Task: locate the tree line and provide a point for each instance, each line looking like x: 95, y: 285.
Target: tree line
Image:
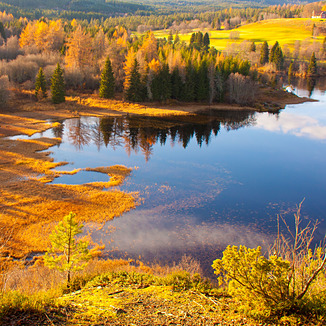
x: 141, y: 67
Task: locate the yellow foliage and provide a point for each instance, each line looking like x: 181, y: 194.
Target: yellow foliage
x: 44, y: 36
x: 154, y: 65
x: 27, y: 35
x: 79, y: 51
x: 128, y: 66
x: 74, y: 23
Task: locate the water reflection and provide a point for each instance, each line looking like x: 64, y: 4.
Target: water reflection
x: 140, y: 134
x: 292, y: 122
x: 205, y: 181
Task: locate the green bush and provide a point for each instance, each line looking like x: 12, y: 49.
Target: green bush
x: 288, y: 282
x: 182, y: 281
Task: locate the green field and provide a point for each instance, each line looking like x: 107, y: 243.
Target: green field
x: 285, y: 31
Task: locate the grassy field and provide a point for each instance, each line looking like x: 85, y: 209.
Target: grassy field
x: 285, y: 31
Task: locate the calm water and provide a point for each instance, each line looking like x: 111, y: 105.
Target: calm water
x: 204, y: 185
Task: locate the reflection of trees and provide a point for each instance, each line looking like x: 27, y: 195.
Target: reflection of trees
x: 140, y: 134
x: 78, y: 132
x: 311, y: 83
x: 96, y: 135
x: 57, y: 131
x: 239, y: 119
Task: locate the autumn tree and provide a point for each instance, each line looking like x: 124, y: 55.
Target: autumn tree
x: 67, y: 253
x: 58, y: 86
x: 128, y: 67
x: 107, y: 83
x: 43, y: 36
x: 79, y: 49
x: 40, y: 83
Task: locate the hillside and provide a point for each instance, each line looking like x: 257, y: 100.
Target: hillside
x: 72, y: 9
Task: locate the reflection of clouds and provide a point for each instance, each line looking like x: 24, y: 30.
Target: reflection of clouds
x: 290, y: 123
x: 140, y: 233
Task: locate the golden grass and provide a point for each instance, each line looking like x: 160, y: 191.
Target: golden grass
x: 124, y: 107
x: 30, y: 207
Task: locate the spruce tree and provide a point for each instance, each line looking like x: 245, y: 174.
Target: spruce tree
x: 176, y: 38
x: 2, y: 31
x: 40, y: 83
x: 189, y: 86
x: 202, y: 82
x: 278, y: 58
x: 134, y: 92
x: 264, y: 53
x: 252, y: 47
x: 107, y: 83
x: 290, y: 72
x: 170, y: 37
x: 273, y: 51
x: 176, y: 84
x: 58, y: 86
x: 312, y: 68
x: 206, y: 41
x: 67, y: 254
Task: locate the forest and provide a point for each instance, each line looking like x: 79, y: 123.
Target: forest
x: 148, y: 68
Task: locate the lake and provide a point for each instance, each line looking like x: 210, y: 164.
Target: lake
x: 205, y: 182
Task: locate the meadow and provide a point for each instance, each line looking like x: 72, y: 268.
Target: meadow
x: 285, y: 31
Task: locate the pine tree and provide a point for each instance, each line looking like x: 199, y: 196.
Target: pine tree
x: 278, y: 58
x: 40, y: 83
x: 206, y: 41
x: 290, y: 72
x: 135, y: 90
x: 176, y: 38
x: 170, y: 37
x: 312, y: 68
x: 67, y: 254
x: 2, y: 31
x: 58, y: 86
x: 107, y: 83
x: 252, y: 47
x: 273, y: 51
x: 176, y: 84
x: 264, y: 53
x: 189, y: 87
x: 202, y: 84
x: 161, y: 84
x: 192, y: 38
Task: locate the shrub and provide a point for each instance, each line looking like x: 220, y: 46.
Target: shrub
x: 182, y: 281
x: 289, y: 281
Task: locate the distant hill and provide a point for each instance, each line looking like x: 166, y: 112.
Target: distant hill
x: 179, y: 4
x: 59, y: 8
x: 88, y: 9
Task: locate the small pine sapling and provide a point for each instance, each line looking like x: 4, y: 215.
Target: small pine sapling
x: 67, y: 253
x: 40, y: 84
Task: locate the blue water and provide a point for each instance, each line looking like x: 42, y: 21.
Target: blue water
x: 199, y: 196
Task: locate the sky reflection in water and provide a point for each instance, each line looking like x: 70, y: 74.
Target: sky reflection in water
x: 222, y: 181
